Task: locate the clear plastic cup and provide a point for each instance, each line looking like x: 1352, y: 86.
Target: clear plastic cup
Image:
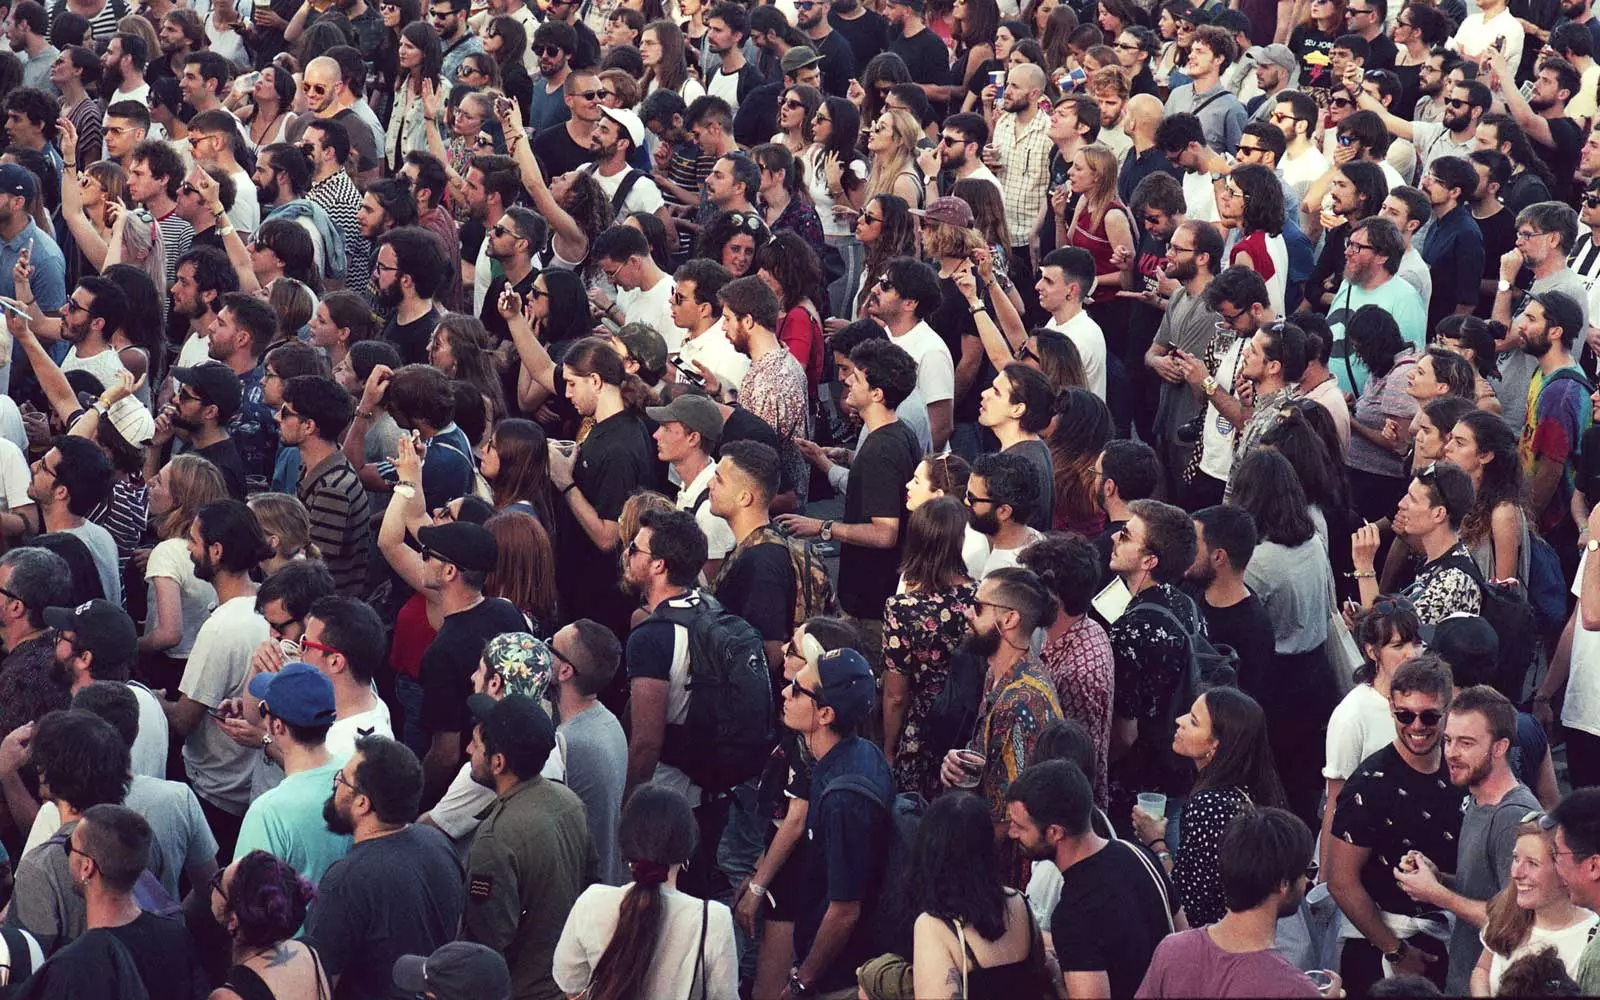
x: 564, y: 448
x: 1153, y: 804
x: 971, y: 767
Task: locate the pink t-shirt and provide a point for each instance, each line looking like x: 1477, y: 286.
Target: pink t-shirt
x: 1190, y: 964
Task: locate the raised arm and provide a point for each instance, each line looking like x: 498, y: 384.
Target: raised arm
x: 238, y: 253
x: 568, y: 238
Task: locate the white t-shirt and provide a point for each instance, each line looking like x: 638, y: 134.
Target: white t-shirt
x: 719, y: 537
x: 219, y: 665
x: 150, y: 745
x: 170, y: 560
x: 593, y: 921
x: 644, y: 196
x: 246, y: 211
x: 1200, y: 197
x: 1476, y: 36
x: 936, y: 370
x: 1090, y: 341
x: 653, y: 307
x: 11, y: 424
x: 458, y: 811
x: 1568, y: 942
x: 1581, y: 708
x: 14, y: 475
x: 1007, y: 558
x: 1359, y: 727
x: 725, y: 86
x: 342, y: 735
x: 103, y: 366
x: 983, y: 173
x: 1304, y: 169
x: 712, y: 348
x: 1216, y: 460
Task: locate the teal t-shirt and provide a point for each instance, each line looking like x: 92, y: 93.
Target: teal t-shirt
x: 1395, y: 297
x: 287, y: 822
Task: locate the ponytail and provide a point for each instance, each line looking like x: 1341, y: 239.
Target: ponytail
x: 625, y: 964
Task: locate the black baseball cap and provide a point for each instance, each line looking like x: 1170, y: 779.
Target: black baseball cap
x: 102, y: 628
x: 467, y: 545
x: 216, y: 383
x: 515, y: 721
x: 460, y: 970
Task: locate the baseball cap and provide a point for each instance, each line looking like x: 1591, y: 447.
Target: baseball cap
x: 130, y: 419
x: 298, y: 693
x: 695, y: 413
x: 216, y: 383
x: 1275, y: 55
x: 18, y: 180
x: 460, y: 970
x: 950, y: 210
x: 102, y: 628
x: 467, y: 545
x: 524, y: 661
x: 847, y: 685
x: 515, y: 721
x: 799, y: 57
x: 645, y: 346
x: 1468, y: 644
x: 1186, y: 12
x: 629, y: 121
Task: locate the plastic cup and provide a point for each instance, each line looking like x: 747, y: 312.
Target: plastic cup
x: 971, y: 768
x: 1153, y: 804
x: 997, y: 79
x: 564, y: 448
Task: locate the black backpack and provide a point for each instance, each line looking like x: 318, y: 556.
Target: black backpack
x: 1505, y: 607
x: 953, y: 716
x: 728, y: 733
x: 890, y: 915
x: 1210, y: 666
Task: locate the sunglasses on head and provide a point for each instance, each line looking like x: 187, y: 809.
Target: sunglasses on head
x: 748, y: 221
x: 1429, y: 717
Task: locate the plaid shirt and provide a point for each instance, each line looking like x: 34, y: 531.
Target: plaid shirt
x: 1025, y: 174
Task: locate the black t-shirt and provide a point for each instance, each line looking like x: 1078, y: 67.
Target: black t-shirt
x: 866, y: 35
x: 362, y: 142
x: 1381, y: 53
x: 411, y: 339
x: 1499, y: 235
x: 558, y: 152
x: 839, y: 64
x: 1038, y: 455
x: 759, y: 587
x: 1562, y: 156
x: 1111, y: 916
x: 212, y: 237
x: 1588, y: 475
x: 225, y: 456
x: 498, y: 331
x: 954, y: 323
x: 742, y: 425
x: 1246, y: 628
x: 617, y: 459
x: 162, y: 952
x: 1391, y: 808
x: 926, y: 57
x: 451, y: 658
x: 93, y: 965
x: 878, y: 474
x: 756, y: 118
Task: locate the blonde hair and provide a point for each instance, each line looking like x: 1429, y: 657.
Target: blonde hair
x: 285, y: 516
x: 192, y: 483
x: 1104, y: 164
x: 887, y: 168
x: 953, y: 241
x: 633, y: 510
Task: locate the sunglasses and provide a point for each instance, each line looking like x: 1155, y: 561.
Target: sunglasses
x: 793, y: 105
x: 1592, y: 200
x: 867, y: 218
x: 1341, y: 102
x: 1456, y: 102
x: 587, y: 95
x: 1347, y: 140
x: 1429, y: 717
x: 547, y: 50
x: 815, y: 696
x: 1125, y: 47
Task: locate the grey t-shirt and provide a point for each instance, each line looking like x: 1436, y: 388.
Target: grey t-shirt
x: 597, y: 770
x: 1517, y: 367
x: 1483, y: 866
x: 104, y: 550
x: 1294, y: 585
x: 1038, y: 455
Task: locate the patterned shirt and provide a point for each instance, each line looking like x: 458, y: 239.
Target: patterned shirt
x: 254, y: 430
x: 124, y: 512
x: 1558, y: 415
x: 1151, y: 653
x: 177, y: 236
x: 1014, y: 711
x: 340, y: 520
x: 1025, y: 175
x: 86, y: 118
x: 339, y: 198
x: 920, y: 631
x: 1079, y: 663
x: 774, y: 389
x: 1444, y: 587
x: 28, y: 687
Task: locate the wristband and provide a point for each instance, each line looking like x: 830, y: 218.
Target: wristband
x: 1364, y: 575
x: 568, y: 488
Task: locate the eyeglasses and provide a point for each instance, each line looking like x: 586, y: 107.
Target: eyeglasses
x: 884, y: 283
x: 340, y: 779
x: 440, y: 15
x: 380, y: 266
x: 635, y: 550
x: 1592, y: 200
x: 971, y: 500
x: 952, y: 140
x: 1243, y: 149
x: 428, y: 553
x: 606, y: 94
x: 869, y: 219
x: 500, y: 230
x: 215, y: 883
x: 978, y: 606
x: 1524, y: 235
x: 1456, y: 102
x: 320, y: 647
x: 57, y: 635
x: 1429, y: 717
x: 1280, y: 116
x: 1351, y: 246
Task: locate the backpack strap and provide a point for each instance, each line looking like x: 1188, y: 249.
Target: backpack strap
x: 700, y: 972
x: 632, y: 177
x: 1153, y: 871
x: 858, y: 784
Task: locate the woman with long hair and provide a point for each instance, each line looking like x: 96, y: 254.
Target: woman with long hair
x: 946, y: 475
x: 1005, y: 37
x: 269, y: 106
x: 421, y: 58
x: 790, y: 268
x: 505, y: 39
x: 93, y: 201
x: 1474, y: 339
x: 835, y: 178
x: 1377, y: 469
x: 989, y: 219
x: 177, y: 601
x: 524, y: 570
x: 342, y: 318
x: 886, y: 229
x: 1317, y: 23
x: 141, y: 338
x: 1082, y: 427
x: 459, y: 347
x: 1494, y: 529
x: 922, y: 627
x: 1037, y: 14
x: 1433, y: 424
x: 1176, y: 25
x: 260, y: 902
x: 1055, y: 40
x: 1532, y: 913
x: 1101, y: 224
x: 293, y: 303
x: 892, y: 146
x: 797, y: 111
x: 1225, y: 734
x: 383, y: 72
x: 574, y: 204
x: 1252, y: 202
x: 732, y: 240
x: 1054, y: 355
x: 782, y: 198
x: 614, y: 944
x: 287, y: 525
x: 1321, y: 477
x: 557, y: 311
x: 666, y: 66
x: 479, y: 71
x: 1291, y: 574
x: 1388, y: 634
x: 970, y: 929
x: 975, y: 25
x: 880, y: 75
x: 516, y: 462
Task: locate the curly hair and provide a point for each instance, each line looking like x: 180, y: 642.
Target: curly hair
x: 268, y: 898
x: 723, y: 228
x: 793, y: 264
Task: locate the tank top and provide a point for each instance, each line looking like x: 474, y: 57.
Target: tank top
x: 1095, y: 240
x: 1013, y: 979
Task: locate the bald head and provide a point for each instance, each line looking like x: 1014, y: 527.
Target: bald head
x: 1142, y: 116
x: 322, y: 79
x: 1028, y: 76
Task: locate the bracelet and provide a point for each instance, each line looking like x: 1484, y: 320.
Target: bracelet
x: 1164, y: 856
x: 975, y: 310
x: 568, y: 488
x: 365, y: 414
x: 756, y: 889
x: 1158, y: 840
x: 1363, y: 575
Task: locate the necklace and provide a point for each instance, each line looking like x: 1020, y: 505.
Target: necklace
x: 258, y: 138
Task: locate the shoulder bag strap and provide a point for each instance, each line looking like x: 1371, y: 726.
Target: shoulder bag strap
x: 1207, y: 102
x: 1155, y: 876
x: 961, y: 939
x: 700, y: 970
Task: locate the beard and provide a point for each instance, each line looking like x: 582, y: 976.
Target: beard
x: 982, y: 644
x: 205, y: 569
x: 1183, y: 270
x: 1019, y: 105
x: 484, y: 780
x: 1431, y: 89
x: 336, y: 821
x: 389, y: 298
x: 266, y: 196
x: 1539, y: 104
x: 955, y: 161
x: 1205, y: 576
x: 61, y: 673
x: 1574, y: 10
x: 1454, y: 122
x: 985, y: 524
x: 1537, y: 346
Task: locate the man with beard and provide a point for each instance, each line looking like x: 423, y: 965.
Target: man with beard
x: 68, y: 482
x: 617, y: 137
x: 553, y: 44
x: 1497, y: 223
x: 411, y: 268
x: 1266, y: 867
x: 569, y: 145
x: 1188, y: 327
x: 96, y: 311
x: 532, y: 855
x: 456, y: 37
x: 1559, y: 416
x: 204, y: 277
x: 1225, y: 539
x: 207, y: 398
x: 244, y: 326
x: 328, y: 143
x: 1452, y: 136
x: 1019, y: 152
x: 512, y: 240
x: 327, y: 96
x: 863, y: 28
x: 1113, y: 909
x: 1399, y: 804
x: 1545, y: 234
x: 122, y: 75
x: 297, y: 708
x: 960, y: 141
x: 492, y: 185
x: 727, y: 27
x: 282, y: 177
x: 398, y: 890
x: 101, y: 644
x: 225, y: 543
x: 839, y: 63
x: 1478, y: 735
x: 624, y: 255
x: 1543, y: 115
x: 1002, y: 497
x: 1454, y: 250
x: 1372, y: 253
x: 19, y: 234
x: 31, y: 580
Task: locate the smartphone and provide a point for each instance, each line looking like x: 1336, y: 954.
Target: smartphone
x: 1075, y: 78
x: 688, y: 372
x: 1500, y: 44
x: 13, y: 306
x: 1151, y: 283
x: 502, y: 106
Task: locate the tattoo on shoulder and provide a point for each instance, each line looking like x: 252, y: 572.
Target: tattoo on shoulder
x: 952, y: 979
x: 281, y: 955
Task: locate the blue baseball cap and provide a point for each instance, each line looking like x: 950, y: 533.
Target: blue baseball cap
x: 847, y: 685
x: 299, y: 694
x: 18, y: 180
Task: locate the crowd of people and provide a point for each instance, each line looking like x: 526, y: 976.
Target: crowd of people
x: 470, y: 476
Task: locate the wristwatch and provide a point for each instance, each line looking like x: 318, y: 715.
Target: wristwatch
x: 1399, y: 954
x: 1592, y: 545
x: 827, y: 531
x: 405, y: 491
x: 796, y: 987
x: 1504, y: 286
x: 1209, y: 385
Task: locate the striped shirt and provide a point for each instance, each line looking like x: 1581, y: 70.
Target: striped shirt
x: 124, y: 513
x: 103, y: 25
x: 340, y: 520
x: 339, y: 198
x: 86, y: 118
x: 177, y: 236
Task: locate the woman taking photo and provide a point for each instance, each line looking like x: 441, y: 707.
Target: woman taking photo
x: 886, y: 229
x: 1388, y: 634
x: 970, y: 928
x: 635, y: 940
x: 342, y: 318
x: 892, y: 147
x: 1495, y: 530
x: 177, y: 601
x: 666, y: 66
x: 796, y: 115
x: 790, y: 268
x: 1252, y: 202
x: 558, y: 316
x: 922, y: 627
x: 1291, y: 575
x: 260, y: 902
x: 420, y: 59
x: 516, y: 461
x: 1533, y: 912
x: 1225, y: 735
x: 782, y: 200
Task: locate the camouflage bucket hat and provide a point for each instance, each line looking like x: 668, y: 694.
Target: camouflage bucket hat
x: 524, y: 662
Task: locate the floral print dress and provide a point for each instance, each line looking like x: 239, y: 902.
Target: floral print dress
x: 920, y: 631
